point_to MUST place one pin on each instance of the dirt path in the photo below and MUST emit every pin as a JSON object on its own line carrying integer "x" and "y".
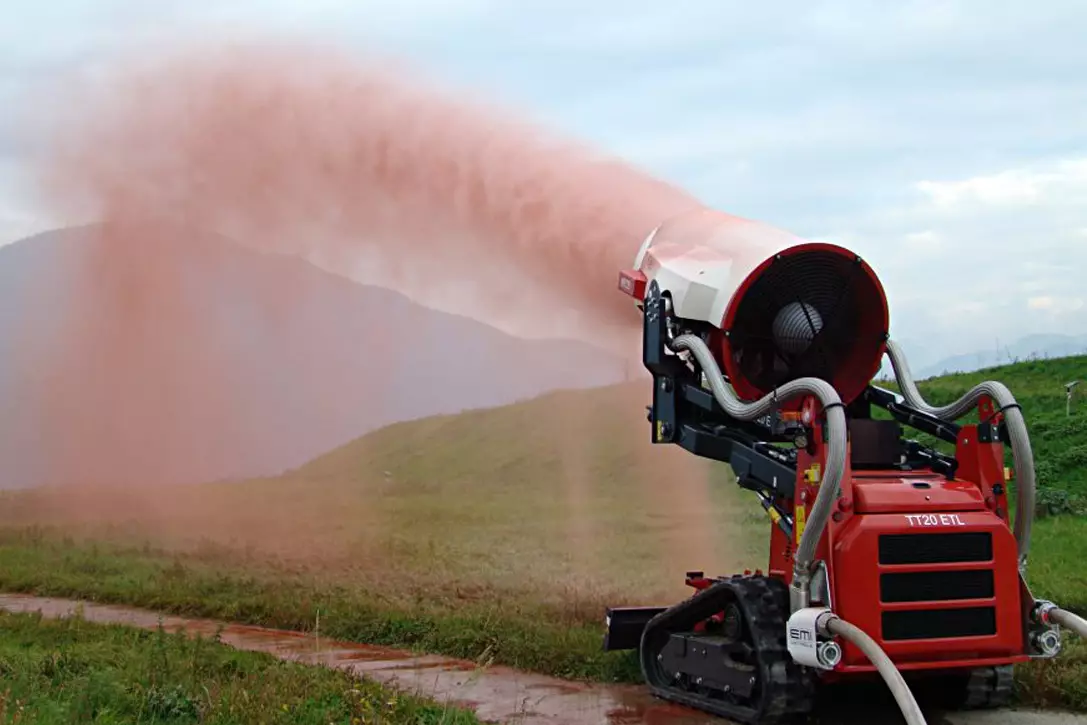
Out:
{"x": 497, "y": 694}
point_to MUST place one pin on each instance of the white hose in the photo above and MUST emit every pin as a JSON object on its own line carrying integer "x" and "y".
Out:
{"x": 1017, "y": 434}
{"x": 895, "y": 682}
{"x": 837, "y": 436}
{"x": 1068, "y": 620}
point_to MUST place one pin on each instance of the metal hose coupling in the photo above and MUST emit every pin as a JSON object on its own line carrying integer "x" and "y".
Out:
{"x": 810, "y": 643}
{"x": 1052, "y": 617}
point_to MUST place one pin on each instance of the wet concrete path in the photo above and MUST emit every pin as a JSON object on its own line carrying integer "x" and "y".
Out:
{"x": 496, "y": 694}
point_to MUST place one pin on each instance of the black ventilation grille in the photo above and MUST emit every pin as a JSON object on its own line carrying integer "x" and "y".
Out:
{"x": 828, "y": 328}
{"x": 939, "y": 623}
{"x": 935, "y": 548}
{"x": 936, "y": 586}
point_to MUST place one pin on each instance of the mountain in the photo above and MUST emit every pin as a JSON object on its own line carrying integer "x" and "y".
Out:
{"x": 167, "y": 355}
{"x": 1031, "y": 347}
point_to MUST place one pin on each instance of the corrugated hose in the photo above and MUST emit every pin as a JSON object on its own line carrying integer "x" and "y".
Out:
{"x": 837, "y": 436}
{"x": 1017, "y": 434}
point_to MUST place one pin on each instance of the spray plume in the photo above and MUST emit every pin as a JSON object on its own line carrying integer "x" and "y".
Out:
{"x": 309, "y": 152}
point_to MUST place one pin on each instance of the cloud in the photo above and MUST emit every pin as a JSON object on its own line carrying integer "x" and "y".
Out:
{"x": 1056, "y": 305}
{"x": 1015, "y": 187}
{"x": 1001, "y": 255}
{"x": 942, "y": 139}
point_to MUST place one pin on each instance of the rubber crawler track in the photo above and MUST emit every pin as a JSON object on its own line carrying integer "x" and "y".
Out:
{"x": 989, "y": 687}
{"x": 784, "y": 689}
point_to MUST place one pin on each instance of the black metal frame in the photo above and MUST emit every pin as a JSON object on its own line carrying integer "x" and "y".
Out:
{"x": 625, "y": 626}
{"x": 685, "y": 413}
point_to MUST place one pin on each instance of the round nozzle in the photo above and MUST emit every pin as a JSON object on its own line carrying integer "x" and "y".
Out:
{"x": 813, "y": 310}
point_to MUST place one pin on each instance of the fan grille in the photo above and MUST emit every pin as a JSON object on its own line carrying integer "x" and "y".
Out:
{"x": 818, "y": 312}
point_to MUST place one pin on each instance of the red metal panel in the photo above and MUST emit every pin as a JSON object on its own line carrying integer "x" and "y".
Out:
{"x": 633, "y": 283}
{"x": 857, "y": 597}
{"x": 895, "y": 492}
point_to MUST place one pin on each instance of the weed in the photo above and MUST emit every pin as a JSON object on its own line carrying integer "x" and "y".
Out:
{"x": 67, "y": 671}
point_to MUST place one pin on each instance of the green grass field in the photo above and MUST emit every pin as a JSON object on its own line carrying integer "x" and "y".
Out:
{"x": 72, "y": 671}
{"x": 1059, "y": 441}
{"x": 495, "y": 534}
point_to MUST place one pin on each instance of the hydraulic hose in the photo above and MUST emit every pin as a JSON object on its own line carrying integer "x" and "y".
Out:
{"x": 800, "y": 594}
{"x": 1017, "y": 433}
{"x": 835, "y": 625}
{"x": 1068, "y": 620}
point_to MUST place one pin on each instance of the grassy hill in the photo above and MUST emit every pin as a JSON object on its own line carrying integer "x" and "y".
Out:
{"x": 1059, "y": 440}
{"x": 563, "y": 488}
{"x": 500, "y": 534}
{"x": 215, "y": 360}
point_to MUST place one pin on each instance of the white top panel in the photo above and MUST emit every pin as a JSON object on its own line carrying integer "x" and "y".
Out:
{"x": 700, "y": 258}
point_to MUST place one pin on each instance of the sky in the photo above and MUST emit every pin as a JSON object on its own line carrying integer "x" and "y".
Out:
{"x": 946, "y": 142}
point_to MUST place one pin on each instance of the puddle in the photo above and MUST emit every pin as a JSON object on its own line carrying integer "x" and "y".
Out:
{"x": 497, "y": 694}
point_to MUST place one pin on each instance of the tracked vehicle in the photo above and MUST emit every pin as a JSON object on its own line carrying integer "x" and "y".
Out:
{"x": 887, "y": 556}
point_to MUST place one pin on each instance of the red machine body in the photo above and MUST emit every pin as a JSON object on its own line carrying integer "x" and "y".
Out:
{"x": 960, "y": 576}
{"x": 918, "y": 551}
{"x": 926, "y": 564}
